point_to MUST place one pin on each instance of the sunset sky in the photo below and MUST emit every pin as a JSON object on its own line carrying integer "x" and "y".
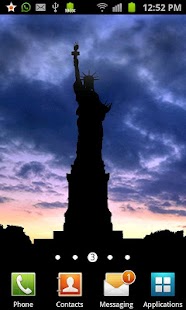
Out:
{"x": 141, "y": 64}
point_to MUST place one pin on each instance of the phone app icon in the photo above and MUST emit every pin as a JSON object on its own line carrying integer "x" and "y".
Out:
{"x": 117, "y": 284}
{"x": 69, "y": 284}
{"x": 162, "y": 284}
{"x": 23, "y": 284}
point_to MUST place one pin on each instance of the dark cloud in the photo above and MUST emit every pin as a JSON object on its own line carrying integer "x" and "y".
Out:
{"x": 42, "y": 123}
{"x": 2, "y": 176}
{"x": 40, "y": 183}
{"x": 20, "y": 188}
{"x": 128, "y": 207}
{"x": 168, "y": 183}
{"x": 51, "y": 205}
{"x": 5, "y": 199}
{"x": 166, "y": 204}
{"x": 30, "y": 212}
{"x": 178, "y": 212}
{"x": 33, "y": 187}
{"x": 33, "y": 168}
{"x": 121, "y": 193}
{"x": 169, "y": 65}
{"x": 46, "y": 186}
{"x": 55, "y": 176}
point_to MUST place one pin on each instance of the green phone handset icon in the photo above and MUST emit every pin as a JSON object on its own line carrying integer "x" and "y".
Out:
{"x": 25, "y": 7}
{"x": 23, "y": 284}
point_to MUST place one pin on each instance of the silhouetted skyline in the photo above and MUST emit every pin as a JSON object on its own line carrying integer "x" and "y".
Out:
{"x": 144, "y": 133}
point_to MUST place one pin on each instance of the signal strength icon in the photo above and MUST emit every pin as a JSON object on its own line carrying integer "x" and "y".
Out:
{"x": 117, "y": 8}
{"x": 102, "y": 6}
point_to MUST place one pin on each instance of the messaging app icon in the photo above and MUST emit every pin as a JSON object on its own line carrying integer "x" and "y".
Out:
{"x": 117, "y": 284}
{"x": 23, "y": 284}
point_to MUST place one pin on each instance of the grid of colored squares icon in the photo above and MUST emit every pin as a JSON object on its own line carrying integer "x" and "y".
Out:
{"x": 162, "y": 284}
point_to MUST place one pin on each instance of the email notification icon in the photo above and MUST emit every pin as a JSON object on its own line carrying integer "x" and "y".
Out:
{"x": 115, "y": 284}
{"x": 40, "y": 7}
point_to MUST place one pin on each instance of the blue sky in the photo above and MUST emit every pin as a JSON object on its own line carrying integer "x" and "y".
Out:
{"x": 140, "y": 61}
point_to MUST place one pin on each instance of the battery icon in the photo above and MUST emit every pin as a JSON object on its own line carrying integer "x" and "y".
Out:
{"x": 70, "y": 6}
{"x": 131, "y": 7}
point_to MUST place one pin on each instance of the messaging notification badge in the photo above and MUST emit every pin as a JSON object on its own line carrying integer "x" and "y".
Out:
{"x": 23, "y": 284}
{"x": 69, "y": 284}
{"x": 117, "y": 284}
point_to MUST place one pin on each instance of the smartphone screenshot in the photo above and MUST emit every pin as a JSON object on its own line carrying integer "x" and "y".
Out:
{"x": 92, "y": 155}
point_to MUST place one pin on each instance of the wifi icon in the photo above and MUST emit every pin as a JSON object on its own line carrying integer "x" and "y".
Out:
{"x": 102, "y": 6}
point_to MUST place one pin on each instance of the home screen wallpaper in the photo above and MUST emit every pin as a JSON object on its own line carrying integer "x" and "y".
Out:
{"x": 140, "y": 63}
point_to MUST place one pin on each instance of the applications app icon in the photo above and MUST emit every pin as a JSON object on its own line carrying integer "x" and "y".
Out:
{"x": 162, "y": 284}
{"x": 69, "y": 284}
{"x": 23, "y": 284}
{"x": 117, "y": 284}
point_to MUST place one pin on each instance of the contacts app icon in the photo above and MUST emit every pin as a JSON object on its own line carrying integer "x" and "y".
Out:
{"x": 69, "y": 284}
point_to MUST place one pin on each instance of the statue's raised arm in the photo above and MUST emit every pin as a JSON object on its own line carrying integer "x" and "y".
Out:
{"x": 75, "y": 53}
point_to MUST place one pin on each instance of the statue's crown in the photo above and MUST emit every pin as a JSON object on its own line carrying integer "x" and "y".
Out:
{"x": 88, "y": 80}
